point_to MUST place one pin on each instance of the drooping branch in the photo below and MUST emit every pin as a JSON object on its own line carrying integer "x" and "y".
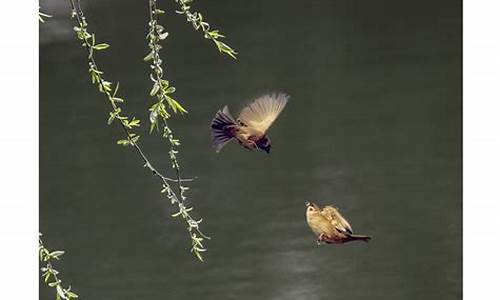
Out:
{"x": 50, "y": 274}
{"x": 162, "y": 90}
{"x": 196, "y": 19}
{"x": 129, "y": 124}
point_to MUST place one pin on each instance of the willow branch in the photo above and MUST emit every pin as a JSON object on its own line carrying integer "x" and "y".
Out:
{"x": 196, "y": 19}
{"x": 128, "y": 124}
{"x": 162, "y": 91}
{"x": 49, "y": 273}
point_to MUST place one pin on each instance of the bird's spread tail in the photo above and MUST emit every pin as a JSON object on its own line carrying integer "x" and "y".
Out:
{"x": 364, "y": 238}
{"x": 220, "y": 134}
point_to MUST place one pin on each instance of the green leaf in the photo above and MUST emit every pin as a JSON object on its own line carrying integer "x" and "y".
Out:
{"x": 170, "y": 90}
{"x": 105, "y": 86}
{"x": 101, "y": 46}
{"x": 116, "y": 99}
{"x": 215, "y": 34}
{"x": 175, "y": 106}
{"x": 152, "y": 127}
{"x": 163, "y": 36}
{"x": 60, "y": 292}
{"x": 164, "y": 190}
{"x": 198, "y": 255}
{"x": 116, "y": 89}
{"x": 56, "y": 254}
{"x": 165, "y": 83}
{"x": 224, "y": 48}
{"x": 134, "y": 122}
{"x": 149, "y": 56}
{"x": 200, "y": 249}
{"x": 159, "y": 28}
{"x": 53, "y": 284}
{"x": 163, "y": 111}
{"x": 155, "y": 89}
{"x": 123, "y": 142}
{"x": 153, "y": 118}
{"x": 111, "y": 118}
{"x": 94, "y": 77}
{"x": 46, "y": 277}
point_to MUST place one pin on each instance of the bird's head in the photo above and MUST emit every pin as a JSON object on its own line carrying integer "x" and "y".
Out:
{"x": 311, "y": 207}
{"x": 264, "y": 143}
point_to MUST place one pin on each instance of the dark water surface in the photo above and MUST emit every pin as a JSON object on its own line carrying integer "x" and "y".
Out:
{"x": 373, "y": 126}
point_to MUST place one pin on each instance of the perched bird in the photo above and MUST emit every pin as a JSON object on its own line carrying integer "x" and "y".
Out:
{"x": 251, "y": 126}
{"x": 329, "y": 226}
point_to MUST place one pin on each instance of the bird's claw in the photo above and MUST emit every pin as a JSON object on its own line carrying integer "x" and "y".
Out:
{"x": 320, "y": 239}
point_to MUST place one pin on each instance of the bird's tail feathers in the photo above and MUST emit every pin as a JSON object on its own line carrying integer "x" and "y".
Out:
{"x": 356, "y": 237}
{"x": 220, "y": 135}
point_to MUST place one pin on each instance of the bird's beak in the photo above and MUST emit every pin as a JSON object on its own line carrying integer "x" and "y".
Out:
{"x": 311, "y": 204}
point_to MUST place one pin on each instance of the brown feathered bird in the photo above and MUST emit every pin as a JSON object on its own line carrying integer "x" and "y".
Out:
{"x": 251, "y": 126}
{"x": 330, "y": 226}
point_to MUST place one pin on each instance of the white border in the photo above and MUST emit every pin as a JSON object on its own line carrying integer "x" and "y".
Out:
{"x": 481, "y": 149}
{"x": 19, "y": 150}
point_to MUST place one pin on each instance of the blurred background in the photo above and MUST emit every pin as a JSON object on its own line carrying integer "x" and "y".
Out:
{"x": 373, "y": 126}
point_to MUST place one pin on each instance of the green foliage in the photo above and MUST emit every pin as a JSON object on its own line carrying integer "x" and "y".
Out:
{"x": 196, "y": 19}
{"x": 128, "y": 142}
{"x": 161, "y": 92}
{"x": 50, "y": 274}
{"x": 106, "y": 87}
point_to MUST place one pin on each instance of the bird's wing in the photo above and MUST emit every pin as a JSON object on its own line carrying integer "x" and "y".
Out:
{"x": 336, "y": 219}
{"x": 262, "y": 112}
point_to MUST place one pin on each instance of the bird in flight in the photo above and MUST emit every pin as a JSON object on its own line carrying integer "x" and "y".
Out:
{"x": 329, "y": 225}
{"x": 250, "y": 128}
